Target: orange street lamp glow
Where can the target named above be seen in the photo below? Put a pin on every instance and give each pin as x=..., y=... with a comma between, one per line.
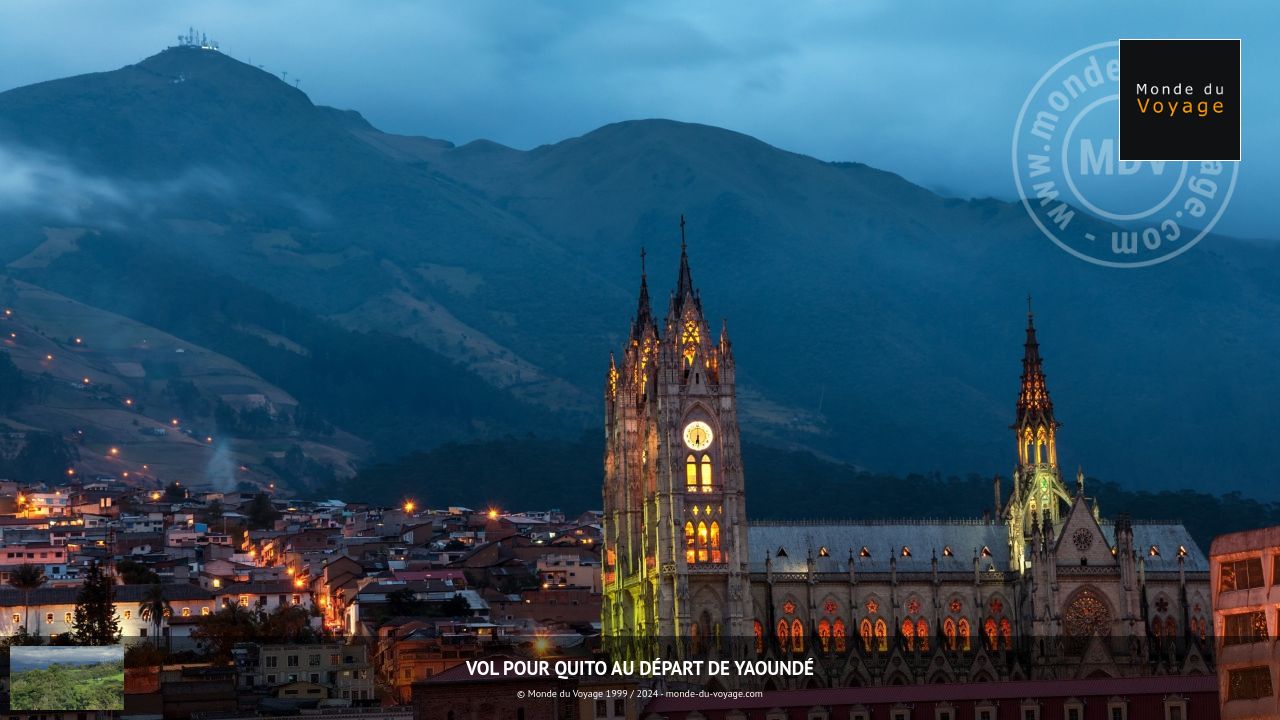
x=115, y=451
x=493, y=514
x=48, y=357
x=128, y=401
x=174, y=422
x=79, y=341
x=85, y=380
x=290, y=571
x=155, y=496
x=409, y=505
x=299, y=582
x=71, y=471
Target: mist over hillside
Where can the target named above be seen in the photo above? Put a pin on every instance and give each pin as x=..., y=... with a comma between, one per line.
x=874, y=322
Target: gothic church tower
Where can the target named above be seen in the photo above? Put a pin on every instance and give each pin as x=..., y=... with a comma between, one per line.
x=1039, y=497
x=675, y=575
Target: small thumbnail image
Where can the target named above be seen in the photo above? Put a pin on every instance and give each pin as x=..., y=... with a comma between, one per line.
x=60, y=678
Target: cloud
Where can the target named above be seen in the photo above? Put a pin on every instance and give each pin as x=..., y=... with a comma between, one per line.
x=43, y=184
x=22, y=658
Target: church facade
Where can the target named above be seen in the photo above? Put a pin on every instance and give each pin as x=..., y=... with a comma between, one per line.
x=1048, y=587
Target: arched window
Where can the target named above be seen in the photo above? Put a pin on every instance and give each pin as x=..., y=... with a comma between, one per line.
x=837, y=629
x=784, y=632
x=1006, y=632
x=1170, y=628
x=797, y=636
x=759, y=631
x=689, y=550
x=715, y=542
x=702, y=542
x=949, y=631
x=1157, y=628
x=882, y=635
x=864, y=631
x=824, y=635
x=691, y=473
x=922, y=635
x=991, y=633
x=695, y=641
x=706, y=473
x=909, y=634
x=965, y=645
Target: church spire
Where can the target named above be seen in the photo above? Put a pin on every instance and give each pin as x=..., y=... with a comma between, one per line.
x=644, y=312
x=1034, y=404
x=684, y=292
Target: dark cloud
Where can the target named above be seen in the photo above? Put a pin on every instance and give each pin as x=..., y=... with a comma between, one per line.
x=926, y=89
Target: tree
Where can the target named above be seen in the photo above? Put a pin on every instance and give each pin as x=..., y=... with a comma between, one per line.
x=262, y=514
x=173, y=493
x=219, y=632
x=214, y=510
x=94, y=621
x=155, y=609
x=27, y=577
x=135, y=573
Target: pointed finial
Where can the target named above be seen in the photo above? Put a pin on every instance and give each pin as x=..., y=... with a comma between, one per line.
x=683, y=247
x=642, y=253
x=1029, y=313
x=1080, y=479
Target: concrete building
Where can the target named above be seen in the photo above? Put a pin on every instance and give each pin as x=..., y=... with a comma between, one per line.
x=1244, y=572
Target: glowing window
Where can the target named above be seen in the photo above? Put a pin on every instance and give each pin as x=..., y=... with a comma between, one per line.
x=864, y=552
x=691, y=473
x=706, y=473
x=909, y=634
x=1006, y=632
x=882, y=635
x=128, y=614
x=824, y=635
x=186, y=612
x=964, y=635
x=864, y=631
x=784, y=632
x=823, y=552
x=797, y=636
x=702, y=542
x=715, y=542
x=991, y=633
x=949, y=630
x=759, y=632
x=689, y=550
x=922, y=635
x=837, y=630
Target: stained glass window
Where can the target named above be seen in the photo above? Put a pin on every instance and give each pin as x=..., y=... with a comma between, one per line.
x=830, y=607
x=759, y=632
x=949, y=631
x=965, y=643
x=784, y=632
x=837, y=630
x=706, y=473
x=991, y=633
x=702, y=542
x=689, y=539
x=691, y=473
x=1006, y=632
x=882, y=635
x=922, y=635
x=824, y=635
x=1087, y=615
x=909, y=635
x=864, y=631
x=797, y=636
x=715, y=542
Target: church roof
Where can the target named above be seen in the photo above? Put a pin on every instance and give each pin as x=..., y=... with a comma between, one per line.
x=882, y=540
x=1166, y=538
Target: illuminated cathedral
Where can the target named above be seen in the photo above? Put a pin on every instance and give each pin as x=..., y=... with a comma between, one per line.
x=1045, y=588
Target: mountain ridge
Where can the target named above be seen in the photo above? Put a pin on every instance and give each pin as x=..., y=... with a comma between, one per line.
x=875, y=321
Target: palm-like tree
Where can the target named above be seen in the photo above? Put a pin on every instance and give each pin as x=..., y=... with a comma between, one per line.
x=155, y=608
x=27, y=577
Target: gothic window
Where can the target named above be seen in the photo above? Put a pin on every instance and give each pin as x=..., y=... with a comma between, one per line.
x=788, y=607
x=797, y=636
x=702, y=542
x=909, y=634
x=1087, y=615
x=1171, y=628
x=784, y=632
x=689, y=539
x=965, y=644
x=949, y=631
x=956, y=606
x=837, y=631
x=913, y=606
x=882, y=635
x=706, y=473
x=922, y=635
x=824, y=635
x=715, y=542
x=691, y=473
x=864, y=631
x=990, y=633
x=759, y=632
x=690, y=340
x=694, y=640
x=830, y=607
x=1006, y=632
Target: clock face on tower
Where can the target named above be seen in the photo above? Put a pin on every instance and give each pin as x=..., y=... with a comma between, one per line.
x=697, y=435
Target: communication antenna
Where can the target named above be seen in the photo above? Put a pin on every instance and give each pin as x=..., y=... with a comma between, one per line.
x=297, y=81
x=284, y=75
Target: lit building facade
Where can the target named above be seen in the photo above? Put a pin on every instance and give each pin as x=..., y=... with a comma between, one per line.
x=1046, y=588
x=1245, y=575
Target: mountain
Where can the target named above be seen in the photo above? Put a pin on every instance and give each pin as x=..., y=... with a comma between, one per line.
x=875, y=322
